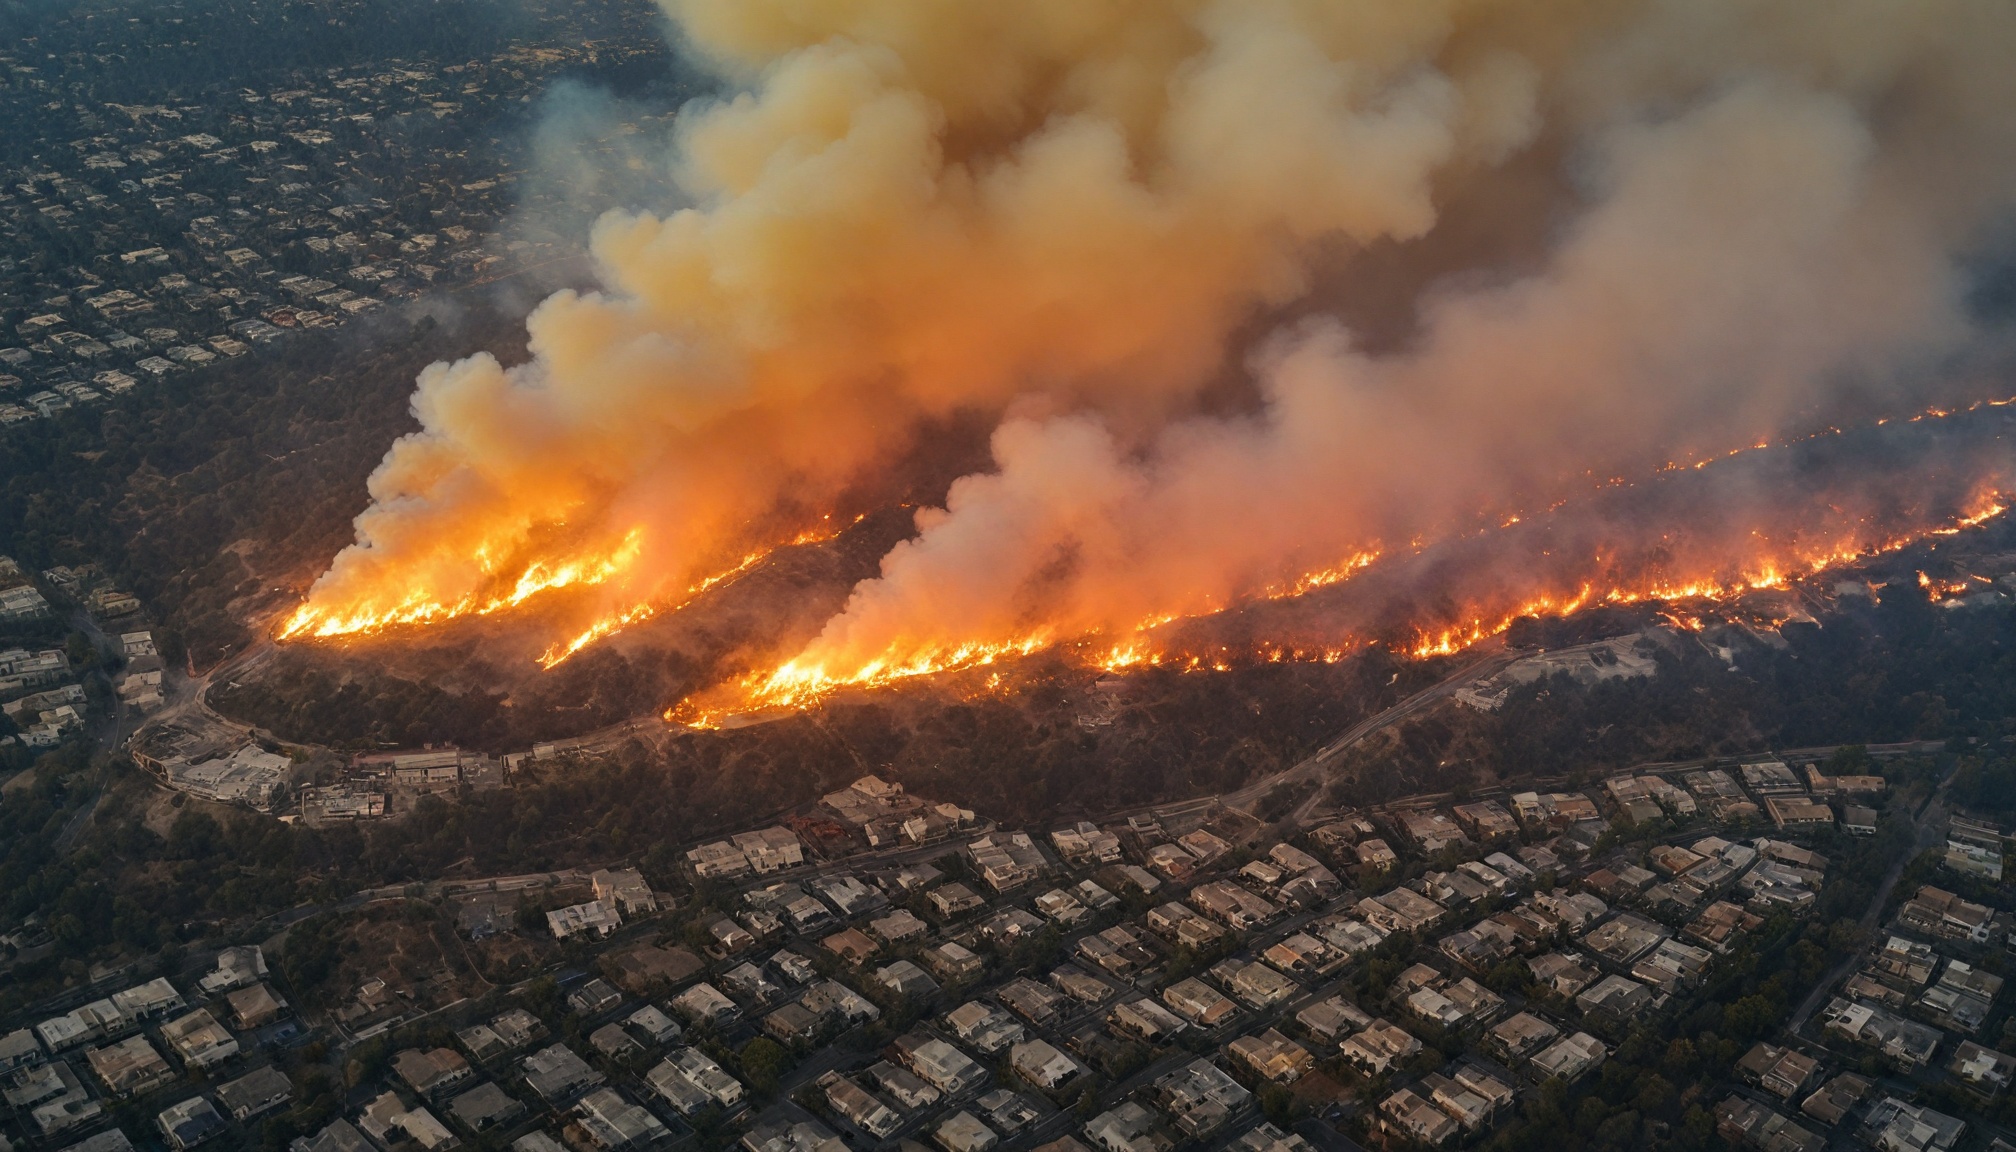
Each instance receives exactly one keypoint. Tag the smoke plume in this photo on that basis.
(1083, 217)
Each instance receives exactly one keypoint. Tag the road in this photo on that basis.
(1929, 824)
(1486, 659)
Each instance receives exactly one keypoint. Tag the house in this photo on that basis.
(906, 979)
(1431, 831)
(938, 1063)
(1268, 1138)
(1060, 906)
(236, 968)
(986, 1028)
(1900, 1127)
(612, 1041)
(1080, 985)
(1571, 1056)
(898, 926)
(55, 1100)
(1086, 843)
(748, 981)
(1770, 777)
(858, 1107)
(613, 1123)
(1146, 1020)
(1486, 820)
(255, 1094)
(1974, 848)
(1574, 911)
(624, 889)
(1303, 953)
(1984, 1068)
(340, 1136)
(720, 859)
(429, 1072)
(850, 895)
(1008, 1112)
(1256, 985)
(1907, 1044)
(794, 967)
(1719, 925)
(1117, 950)
(1832, 1102)
(595, 918)
(832, 998)
(704, 1003)
(1376, 853)
(484, 1107)
(1408, 1115)
(1201, 1098)
(770, 850)
(1783, 1072)
(1379, 1047)
(1272, 1056)
(556, 1073)
(1348, 936)
(1472, 1098)
(1480, 947)
(672, 1086)
(189, 1123)
(953, 961)
(1041, 1064)
(1937, 912)
(1790, 812)
(1006, 860)
(955, 900)
(1519, 1036)
(902, 1085)
(1127, 1128)
(703, 1073)
(18, 1049)
(594, 998)
(199, 1040)
(1617, 996)
(1332, 1019)
(255, 1007)
(130, 1067)
(792, 1023)
(806, 1136)
(1962, 997)
(1748, 1124)
(1030, 1000)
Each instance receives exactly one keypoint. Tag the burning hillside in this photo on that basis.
(1138, 238)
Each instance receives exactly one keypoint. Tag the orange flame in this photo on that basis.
(420, 608)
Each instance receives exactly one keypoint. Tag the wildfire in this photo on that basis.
(420, 608)
(793, 686)
(610, 625)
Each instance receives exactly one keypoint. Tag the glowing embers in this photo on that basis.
(420, 607)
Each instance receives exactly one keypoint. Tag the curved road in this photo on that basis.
(1486, 659)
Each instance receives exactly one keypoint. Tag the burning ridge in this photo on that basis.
(1150, 244)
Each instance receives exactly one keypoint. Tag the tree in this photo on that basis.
(764, 1061)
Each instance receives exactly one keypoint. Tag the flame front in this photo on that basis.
(419, 607)
(801, 683)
